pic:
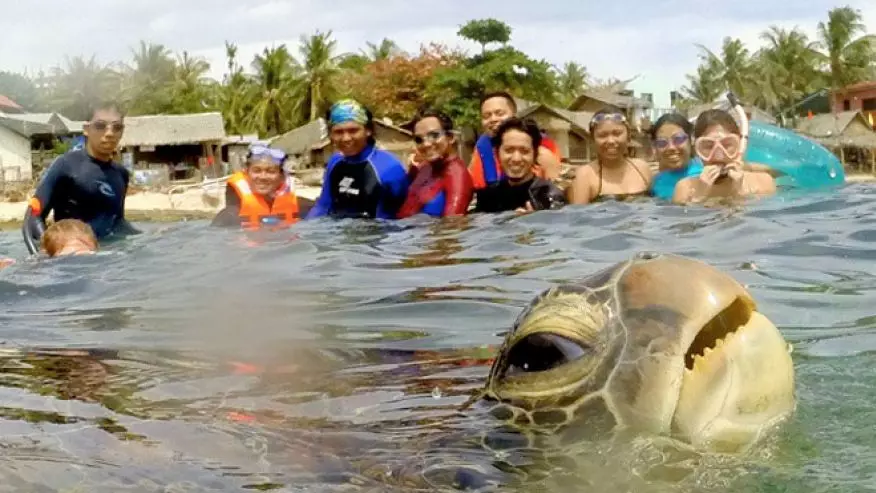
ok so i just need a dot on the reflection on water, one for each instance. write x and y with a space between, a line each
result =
338 357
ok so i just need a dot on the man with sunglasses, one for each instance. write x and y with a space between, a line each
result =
84 184
262 196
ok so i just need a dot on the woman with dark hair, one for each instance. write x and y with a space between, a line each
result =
360 180
516 143
717 141
440 182
671 138
613 174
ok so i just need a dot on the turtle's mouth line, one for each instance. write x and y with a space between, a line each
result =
716 331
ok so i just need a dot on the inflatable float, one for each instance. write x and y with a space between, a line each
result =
795 161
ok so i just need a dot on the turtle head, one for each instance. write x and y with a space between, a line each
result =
660 343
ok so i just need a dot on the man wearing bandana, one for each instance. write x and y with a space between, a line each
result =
360 179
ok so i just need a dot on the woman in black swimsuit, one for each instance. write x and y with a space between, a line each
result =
613 174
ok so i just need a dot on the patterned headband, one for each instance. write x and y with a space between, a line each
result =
347 110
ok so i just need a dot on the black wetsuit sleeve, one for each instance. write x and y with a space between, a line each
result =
230 215
35 220
123 226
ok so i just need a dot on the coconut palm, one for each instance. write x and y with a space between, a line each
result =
572 80
190 92
849 58
733 67
274 85
318 73
149 80
77 87
704 87
788 67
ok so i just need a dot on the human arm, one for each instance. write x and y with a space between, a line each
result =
40 205
580 191
123 226
230 214
458 190
323 204
395 182
684 191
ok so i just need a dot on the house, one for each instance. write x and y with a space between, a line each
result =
848 133
9 106
16 163
46 128
857 97
310 145
569 129
178 142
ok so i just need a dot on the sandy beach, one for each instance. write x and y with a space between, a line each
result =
192 203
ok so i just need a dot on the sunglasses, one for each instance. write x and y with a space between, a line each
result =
101 126
259 152
432 136
707 148
676 140
607 117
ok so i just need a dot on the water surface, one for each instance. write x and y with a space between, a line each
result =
335 355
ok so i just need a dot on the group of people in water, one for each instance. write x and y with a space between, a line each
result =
514 167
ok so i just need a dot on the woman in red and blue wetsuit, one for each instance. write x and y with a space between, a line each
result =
440 184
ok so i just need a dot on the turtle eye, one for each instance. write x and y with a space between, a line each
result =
542 352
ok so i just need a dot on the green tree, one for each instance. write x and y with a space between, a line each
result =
274 84
317 75
191 92
732 67
572 80
20 89
849 56
234 96
788 66
74 89
150 79
485 31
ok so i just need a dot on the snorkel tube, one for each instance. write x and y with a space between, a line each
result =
736 107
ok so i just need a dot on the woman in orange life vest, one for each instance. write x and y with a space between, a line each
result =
496 107
613 175
261 196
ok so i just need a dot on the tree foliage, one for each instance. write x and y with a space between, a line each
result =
485 31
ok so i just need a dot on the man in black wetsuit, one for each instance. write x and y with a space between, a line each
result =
84 184
519 189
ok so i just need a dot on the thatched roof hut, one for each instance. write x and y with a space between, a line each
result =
173 130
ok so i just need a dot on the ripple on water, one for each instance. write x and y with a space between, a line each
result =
191 359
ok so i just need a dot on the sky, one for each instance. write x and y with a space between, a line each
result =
652 40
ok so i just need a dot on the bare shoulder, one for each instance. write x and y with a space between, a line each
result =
643 167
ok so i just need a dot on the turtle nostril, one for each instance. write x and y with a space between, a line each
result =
542 352
648 255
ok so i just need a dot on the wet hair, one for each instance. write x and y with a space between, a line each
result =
608 109
526 126
499 94
106 106
710 118
673 119
443 118
60 232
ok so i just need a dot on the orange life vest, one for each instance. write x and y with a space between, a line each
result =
254 209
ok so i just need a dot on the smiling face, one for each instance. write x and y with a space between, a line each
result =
672 146
659 344
611 139
494 111
433 142
350 138
517 155
265 176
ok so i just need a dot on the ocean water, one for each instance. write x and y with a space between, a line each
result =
335 356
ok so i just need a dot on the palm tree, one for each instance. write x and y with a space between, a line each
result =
849 57
150 79
572 80
190 91
234 96
272 92
733 66
704 87
788 64
319 72
386 49
75 89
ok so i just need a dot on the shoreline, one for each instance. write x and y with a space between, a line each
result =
197 204
153 207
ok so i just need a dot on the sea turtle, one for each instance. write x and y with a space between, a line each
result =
661 344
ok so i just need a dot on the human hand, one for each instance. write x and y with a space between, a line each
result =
710 174
526 208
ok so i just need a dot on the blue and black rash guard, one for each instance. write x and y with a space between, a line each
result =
78 186
372 184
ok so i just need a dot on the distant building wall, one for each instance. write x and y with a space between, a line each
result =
862 98
15 158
